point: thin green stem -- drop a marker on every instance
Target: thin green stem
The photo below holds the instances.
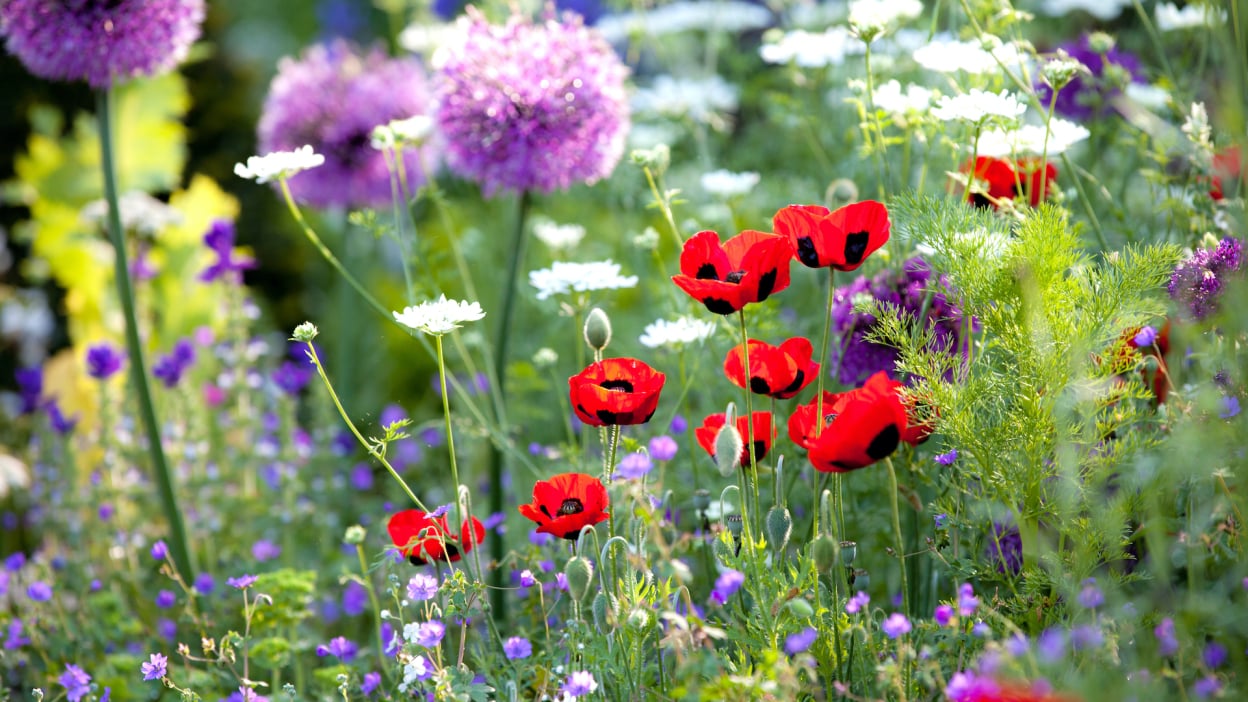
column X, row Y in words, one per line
column 664, row 205
column 608, row 471
column 372, row 599
column 178, row 544
column 749, row 412
column 900, row 544
column 1044, row 150
column 881, row 162
column 450, row 435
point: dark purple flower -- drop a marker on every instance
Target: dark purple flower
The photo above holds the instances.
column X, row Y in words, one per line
column 29, row 389
column 943, row 614
column 946, row 459
column 800, row 641
column 332, row 97
column 76, row 681
column 370, row 683
column 159, row 551
column 354, row 599
column 291, row 377
column 679, row 424
column 14, row 561
column 242, row 582
column 220, row 240
column 1207, row 686
column 517, row 647
column 1004, row 547
column 39, row 591
column 205, row 584
column 1230, row 407
column 15, row 639
column 60, row 424
column 166, row 599
column 102, row 43
column 104, row 360
column 532, row 105
column 1088, row 96
column 726, row 585
column 1214, row 654
column 156, row 667
column 1198, row 282
column 339, row 647
column 170, row 368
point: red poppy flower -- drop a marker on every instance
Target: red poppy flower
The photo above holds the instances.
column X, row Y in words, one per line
column 567, row 503
column 1227, row 167
column 776, row 371
column 747, row 268
column 860, row 427
column 993, row 692
column 917, row 429
column 616, row 391
column 1005, row 177
column 842, row 239
column 421, row 536
column 763, row 435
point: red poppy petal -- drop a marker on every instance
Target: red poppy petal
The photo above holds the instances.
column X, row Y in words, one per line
column 703, row 256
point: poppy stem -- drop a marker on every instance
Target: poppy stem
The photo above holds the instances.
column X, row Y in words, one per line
column 900, row 545
column 749, row 415
column 178, row 545
column 823, row 359
column 608, row 470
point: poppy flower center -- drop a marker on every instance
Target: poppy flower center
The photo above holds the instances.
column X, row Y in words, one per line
column 735, row 276
column 571, row 506
column 617, row 385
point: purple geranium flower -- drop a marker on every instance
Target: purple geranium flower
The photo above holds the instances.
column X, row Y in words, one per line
column 857, row 602
column 265, row 550
column 422, row 587
column 156, row 667
column 633, row 466
column 800, row 641
column 166, row 599
column 76, row 681
column 242, row 582
column 292, row 377
column 517, row 647
column 663, row 448
column 39, row 591
column 895, row 625
column 726, row 585
column 339, row 647
column 579, row 683
column 15, row 639
column 943, row 614
column 104, row 360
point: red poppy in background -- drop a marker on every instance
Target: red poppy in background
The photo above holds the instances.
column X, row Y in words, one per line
column 616, row 391
column 1227, row 167
column 859, row 427
column 1005, row 177
column 842, row 239
column 763, row 435
column 775, row 371
column 747, row 268
column 421, row 536
column 567, row 503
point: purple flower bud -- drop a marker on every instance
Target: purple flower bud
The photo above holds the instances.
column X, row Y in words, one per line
column 159, row 551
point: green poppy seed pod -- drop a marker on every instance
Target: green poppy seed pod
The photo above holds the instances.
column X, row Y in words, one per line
column 800, row 608
column 861, row 580
column 734, row 524
column 355, row 535
column 849, row 549
column 823, row 550
column 779, row 527
column 728, row 446
column 840, row 193
column 600, row 608
column 580, row 575
column 597, row 329
column 701, row 499
column 639, row 620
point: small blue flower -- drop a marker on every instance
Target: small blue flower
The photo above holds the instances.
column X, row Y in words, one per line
column 39, row 591
column 1145, row 337
column 1230, row 407
column 726, row 585
column 946, row 459
column 943, row 614
column 155, row 668
column 799, row 642
column 1091, row 597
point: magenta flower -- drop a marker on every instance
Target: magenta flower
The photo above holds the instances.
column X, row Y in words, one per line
column 532, row 105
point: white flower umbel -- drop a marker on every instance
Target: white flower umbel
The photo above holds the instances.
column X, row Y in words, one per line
column 699, row 99
column 974, row 57
column 1100, row 9
column 563, row 277
column 1171, row 18
column 727, row 184
column 890, row 98
column 278, row 165
column 871, row 18
column 812, row 49
column 558, row 236
column 439, row 316
column 140, row 213
column 1153, row 97
column 977, row 106
column 398, row 133
column 730, row 16
column 1029, row 139
column 676, row 333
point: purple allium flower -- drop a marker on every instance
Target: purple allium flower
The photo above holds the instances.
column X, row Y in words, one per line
column 102, row 43
column 633, row 466
column 1088, row 96
column 166, row 599
column 1004, row 547
column 422, row 587
column 220, row 240
column 159, row 550
column 579, row 683
column 39, row 591
column 75, row 681
column 15, row 639
column 354, row 599
column 946, row 459
column 895, row 625
column 1091, row 597
column 332, row 97
column 265, row 550
column 532, row 105
column 371, row 682
column 171, row 367
column 242, row 582
column 1199, row 281
column 1214, row 654
column 204, row 583
column 967, row 601
column 29, row 388
column 517, row 647
column 857, row 602
column 104, row 360
column 156, row 667
column 1145, row 337
column 802, row 640
column 1230, row 407
column 663, row 448
column 943, row 614
column 726, row 585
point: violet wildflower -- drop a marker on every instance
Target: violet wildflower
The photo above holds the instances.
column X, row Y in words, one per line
column 965, row 686
column 663, row 448
column 941, row 520
column 354, row 599
column 104, row 360
column 331, row 98
column 800, row 641
column 1051, row 644
column 159, row 551
column 166, row 599
column 531, row 106
column 60, row 424
column 428, row 634
column 220, row 240
column 1207, row 686
column 204, row 583
column 292, row 377
column 726, row 585
column 1144, row 337
column 967, row 601
column 102, row 43
column 29, row 389
column 579, row 683
column 76, row 681
column 946, row 459
column 371, row 682
column 339, row 647
column 167, row 629
column 39, row 591
column 633, row 466
column 156, row 667
column 362, row 477
column 1091, row 597
column 265, row 550
column 943, row 614
column 422, row 587
column 1199, row 281
column 171, row 367
column 1214, row 654
column 1018, row 645
column 527, row 579
column 242, row 582
column 517, row 647
column 857, row 602
column 679, row 424
column 895, row 625
column 1089, row 95
column 1004, row 547
column 1230, row 407
column 561, row 582
column 15, row 639
column 14, row 561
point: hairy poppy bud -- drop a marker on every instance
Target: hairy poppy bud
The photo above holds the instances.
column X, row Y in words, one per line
column 728, row 447
column 800, row 608
column 600, row 609
column 779, row 527
column 580, row 574
column 597, row 329
column 823, row 550
column 840, row 193
column 639, row 620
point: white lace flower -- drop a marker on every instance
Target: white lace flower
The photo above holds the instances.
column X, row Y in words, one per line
column 1171, row 18
column 950, row 56
column 730, row 16
column 727, row 184
column 563, row 277
column 278, row 165
column 812, row 49
column 140, row 213
column 1029, row 139
column 888, row 97
column 412, row 131
column 1153, row 97
column 676, row 333
column 699, row 99
column 14, row 475
column 1100, row 9
column 440, row 316
column 978, row 105
column 870, row 18
column 558, row 236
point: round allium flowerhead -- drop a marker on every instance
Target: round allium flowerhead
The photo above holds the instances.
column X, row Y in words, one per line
column 100, row 41
column 332, row 97
column 531, row 106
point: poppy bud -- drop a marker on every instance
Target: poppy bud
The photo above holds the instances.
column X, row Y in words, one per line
column 728, row 447
column 823, row 550
column 597, row 329
column 849, row 549
column 800, row 608
column 840, row 193
column 600, row 609
column 580, row 575
column 723, row 551
column 779, row 527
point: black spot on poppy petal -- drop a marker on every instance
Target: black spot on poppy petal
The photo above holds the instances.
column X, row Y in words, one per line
column 717, row 306
column 806, row 252
column 546, row 512
column 759, row 386
column 619, row 384
column 760, row 449
column 856, row 247
column 979, row 200
column 735, row 276
column 884, row 443
column 416, row 560
column 842, row 466
column 572, row 535
column 767, row 283
column 648, row 416
column 452, row 551
column 606, row 417
column 707, row 272
column 796, row 384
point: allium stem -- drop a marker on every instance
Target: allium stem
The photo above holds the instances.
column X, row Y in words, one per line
column 900, row 545
column 178, row 545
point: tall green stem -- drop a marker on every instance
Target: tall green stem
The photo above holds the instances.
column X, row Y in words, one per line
column 749, row 415
column 880, row 149
column 900, row 544
column 450, row 436
column 178, row 546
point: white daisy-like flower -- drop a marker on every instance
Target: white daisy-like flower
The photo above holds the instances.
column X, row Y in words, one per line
column 869, row 18
column 438, row 317
column 563, row 277
column 978, row 105
column 991, row 245
column 279, row 165
column 891, row 99
column 812, row 49
column 558, row 236
column 676, row 333
column 730, row 16
column 727, row 184
column 699, row 99
column 1029, row 139
column 1171, row 18
column 951, row 56
column 1100, row 9
column 412, row 131
column 140, row 213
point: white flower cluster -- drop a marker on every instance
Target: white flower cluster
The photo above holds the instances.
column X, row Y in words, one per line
column 812, row 49
column 1029, row 139
column 699, row 99
column 870, row 18
column 676, row 333
column 978, row 105
column 439, row 316
column 727, row 184
column 1171, row 18
column 1100, row 9
column 398, row 133
column 428, row 38
column 563, row 277
column 890, row 98
column 278, row 165
column 558, row 236
column 731, row 16
column 140, row 213
column 973, row 57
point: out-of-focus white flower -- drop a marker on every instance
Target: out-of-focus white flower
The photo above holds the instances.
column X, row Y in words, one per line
column 26, row 319
column 890, row 98
column 731, row 16
column 558, row 236
column 1151, row 96
column 440, row 316
column 1170, row 17
column 812, row 49
column 13, row 475
column 428, row 38
column 700, row 99
column 1100, row 9
column 398, row 133
column 727, row 184
column 140, row 213
column 978, row 105
column 871, row 18
column 564, row 277
column 648, row 136
column 279, row 164
column 1029, row 139
column 676, row 333
column 950, row 56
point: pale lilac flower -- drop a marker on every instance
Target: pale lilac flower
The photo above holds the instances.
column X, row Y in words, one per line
column 242, row 582
column 895, row 625
column 946, row 459
column 799, row 642
column 857, row 602
column 39, row 591
column 422, row 587
column 517, row 647
column 370, row 683
column 527, row 579
column 579, row 683
column 428, row 635
column 156, row 667
column 1091, row 597
column 943, row 614
column 1145, row 337
column 265, row 550
column 967, row 601
column 663, row 448
column 159, row 551
column 76, row 681
column 726, row 585
column 633, row 466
